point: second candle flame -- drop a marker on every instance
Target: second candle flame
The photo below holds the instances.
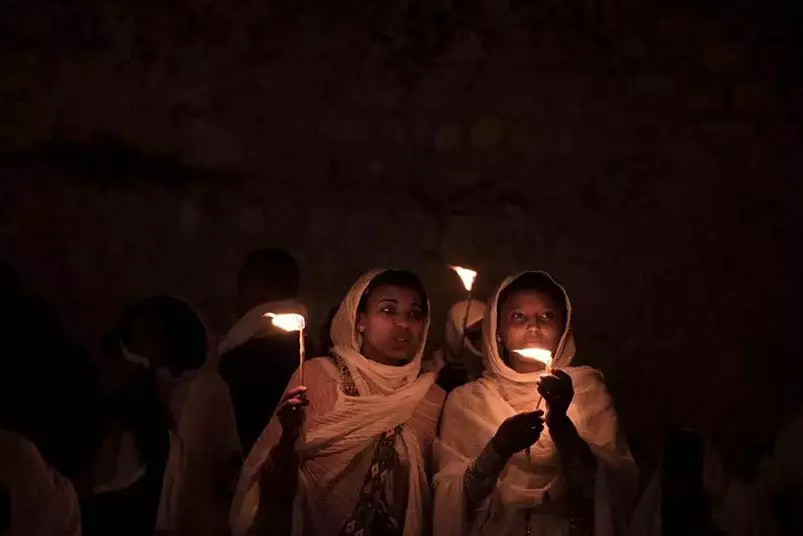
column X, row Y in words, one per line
column 466, row 275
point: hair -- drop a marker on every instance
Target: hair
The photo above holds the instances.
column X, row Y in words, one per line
column 534, row 282
column 396, row 278
column 275, row 269
column 184, row 335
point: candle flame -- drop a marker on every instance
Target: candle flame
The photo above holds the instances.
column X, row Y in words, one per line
column 287, row 322
column 536, row 354
column 466, row 275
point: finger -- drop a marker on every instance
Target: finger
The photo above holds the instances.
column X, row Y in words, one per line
column 295, row 391
column 561, row 375
column 550, row 383
column 296, row 402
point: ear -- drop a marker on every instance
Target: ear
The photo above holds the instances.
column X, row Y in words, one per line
column 361, row 322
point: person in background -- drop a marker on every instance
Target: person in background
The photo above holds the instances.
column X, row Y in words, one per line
column 48, row 394
column 694, row 492
column 256, row 359
column 367, row 415
column 172, row 456
column 35, row 500
column 524, row 450
column 462, row 354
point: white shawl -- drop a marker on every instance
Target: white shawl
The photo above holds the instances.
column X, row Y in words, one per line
column 254, row 322
column 472, row 416
column 388, row 397
column 43, row 503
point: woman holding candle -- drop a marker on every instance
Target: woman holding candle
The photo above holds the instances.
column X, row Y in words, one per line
column 346, row 453
column 526, row 449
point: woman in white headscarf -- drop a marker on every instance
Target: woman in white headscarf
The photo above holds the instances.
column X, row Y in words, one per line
column 346, row 452
column 524, row 450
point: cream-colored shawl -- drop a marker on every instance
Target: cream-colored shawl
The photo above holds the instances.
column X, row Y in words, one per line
column 388, row 397
column 43, row 503
column 472, row 416
column 253, row 323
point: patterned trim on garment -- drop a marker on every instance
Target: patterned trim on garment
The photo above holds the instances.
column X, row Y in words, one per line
column 371, row 515
column 346, row 379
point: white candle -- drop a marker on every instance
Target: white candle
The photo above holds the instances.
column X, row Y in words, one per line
column 292, row 322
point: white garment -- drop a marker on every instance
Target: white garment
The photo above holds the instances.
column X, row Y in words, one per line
column 254, row 323
column 473, row 414
column 43, row 503
column 388, row 397
column 204, row 458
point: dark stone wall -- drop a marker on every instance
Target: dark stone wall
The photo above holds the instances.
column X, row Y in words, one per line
column 648, row 156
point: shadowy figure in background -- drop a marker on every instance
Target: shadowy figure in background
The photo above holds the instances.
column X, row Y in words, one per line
column 696, row 492
column 460, row 359
column 157, row 370
column 48, row 395
column 256, row 359
column 129, row 468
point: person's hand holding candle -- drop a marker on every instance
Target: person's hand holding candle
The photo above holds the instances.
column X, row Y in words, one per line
column 558, row 391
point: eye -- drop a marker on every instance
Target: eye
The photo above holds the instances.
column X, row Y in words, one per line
column 548, row 315
column 518, row 318
column 387, row 309
column 417, row 315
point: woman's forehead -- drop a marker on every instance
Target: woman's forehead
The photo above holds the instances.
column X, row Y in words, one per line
column 529, row 298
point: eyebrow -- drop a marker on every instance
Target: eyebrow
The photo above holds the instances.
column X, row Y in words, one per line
column 396, row 302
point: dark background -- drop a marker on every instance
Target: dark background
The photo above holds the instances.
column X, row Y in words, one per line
column 646, row 153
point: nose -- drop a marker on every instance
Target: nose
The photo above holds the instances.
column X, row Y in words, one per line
column 533, row 325
column 402, row 321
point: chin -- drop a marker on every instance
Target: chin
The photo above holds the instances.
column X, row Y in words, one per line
column 399, row 357
column 526, row 366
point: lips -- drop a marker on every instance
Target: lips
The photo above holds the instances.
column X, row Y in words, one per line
column 399, row 342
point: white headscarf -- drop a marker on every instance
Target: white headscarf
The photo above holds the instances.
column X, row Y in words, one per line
column 253, row 323
column 472, row 416
column 388, row 397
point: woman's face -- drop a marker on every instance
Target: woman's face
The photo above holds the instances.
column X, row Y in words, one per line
column 391, row 325
column 529, row 319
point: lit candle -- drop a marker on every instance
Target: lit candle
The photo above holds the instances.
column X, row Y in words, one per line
column 467, row 276
column 292, row 322
column 540, row 355
column 537, row 354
